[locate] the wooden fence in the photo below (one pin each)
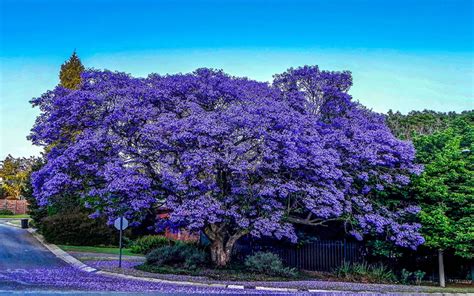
(16, 206)
(314, 256)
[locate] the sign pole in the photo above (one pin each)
(120, 242)
(120, 224)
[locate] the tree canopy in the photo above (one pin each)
(229, 156)
(445, 190)
(14, 175)
(70, 73)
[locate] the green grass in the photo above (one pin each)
(15, 216)
(101, 250)
(16, 222)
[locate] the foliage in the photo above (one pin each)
(269, 264)
(6, 212)
(145, 244)
(419, 275)
(76, 228)
(405, 276)
(14, 175)
(417, 123)
(363, 272)
(228, 156)
(383, 249)
(36, 212)
(445, 190)
(70, 74)
(184, 255)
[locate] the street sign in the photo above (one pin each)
(121, 226)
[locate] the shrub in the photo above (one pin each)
(77, 229)
(381, 273)
(362, 272)
(6, 212)
(343, 271)
(269, 264)
(145, 244)
(419, 275)
(405, 276)
(180, 254)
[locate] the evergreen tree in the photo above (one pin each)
(444, 144)
(71, 70)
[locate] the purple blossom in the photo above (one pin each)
(223, 153)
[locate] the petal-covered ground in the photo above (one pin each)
(71, 279)
(347, 287)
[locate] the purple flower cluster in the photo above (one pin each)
(226, 154)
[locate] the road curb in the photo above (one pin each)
(60, 253)
(11, 224)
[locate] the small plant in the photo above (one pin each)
(145, 244)
(362, 272)
(360, 269)
(344, 271)
(419, 275)
(405, 276)
(6, 212)
(182, 255)
(269, 264)
(381, 273)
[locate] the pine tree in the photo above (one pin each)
(70, 74)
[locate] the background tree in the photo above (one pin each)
(424, 122)
(36, 212)
(70, 74)
(445, 190)
(14, 174)
(228, 156)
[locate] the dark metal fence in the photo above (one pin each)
(314, 256)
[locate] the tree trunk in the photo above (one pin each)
(220, 255)
(441, 269)
(222, 244)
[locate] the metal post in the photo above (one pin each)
(120, 242)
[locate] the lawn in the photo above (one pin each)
(15, 216)
(101, 250)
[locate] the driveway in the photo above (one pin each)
(28, 268)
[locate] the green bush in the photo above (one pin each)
(362, 272)
(381, 274)
(419, 275)
(405, 276)
(77, 229)
(145, 244)
(5, 212)
(269, 264)
(408, 277)
(181, 255)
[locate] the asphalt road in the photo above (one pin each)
(20, 250)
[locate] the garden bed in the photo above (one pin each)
(233, 273)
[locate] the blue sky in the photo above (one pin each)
(404, 55)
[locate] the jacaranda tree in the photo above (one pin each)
(227, 156)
